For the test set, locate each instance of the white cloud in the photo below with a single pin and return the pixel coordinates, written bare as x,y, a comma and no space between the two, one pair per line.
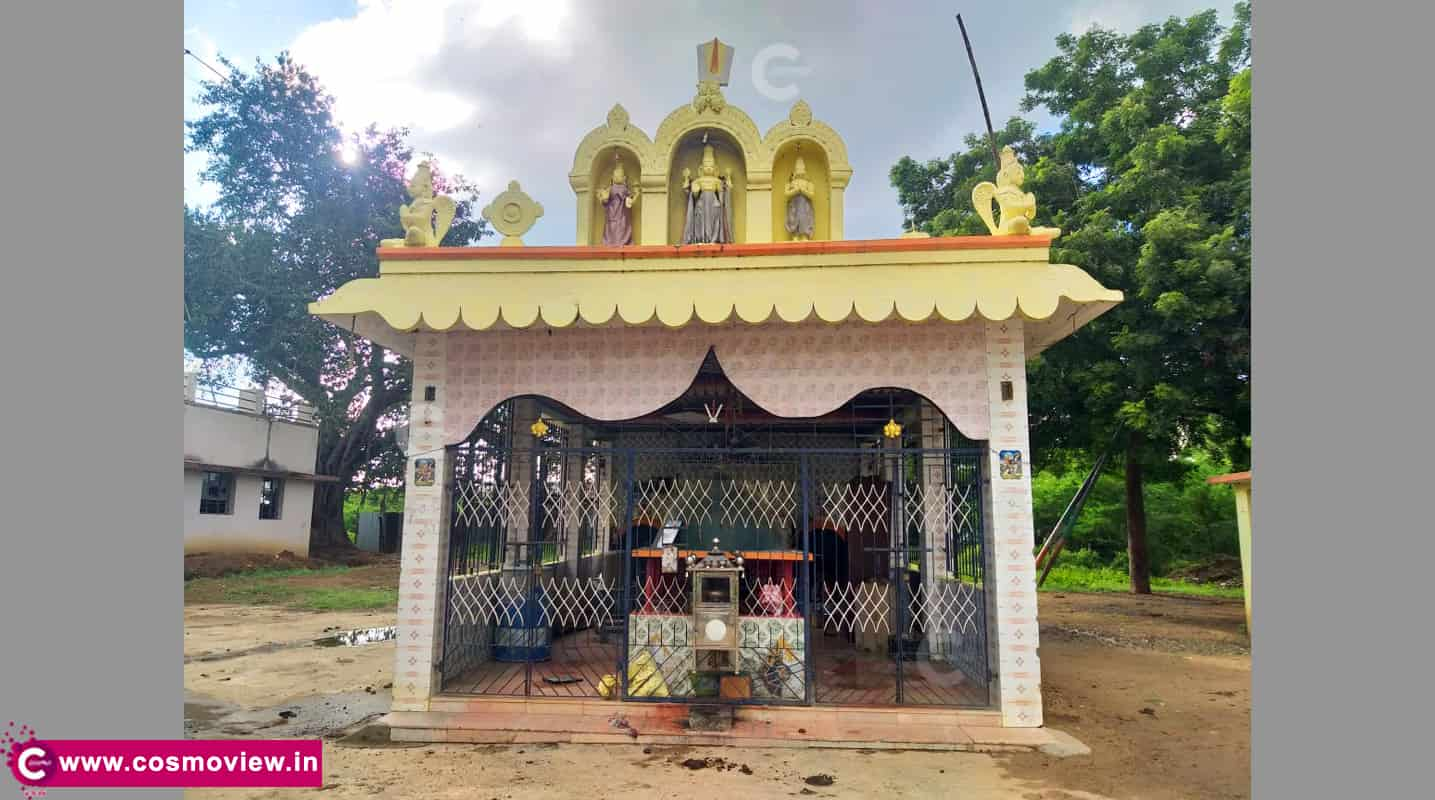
1117,15
385,65
203,46
500,90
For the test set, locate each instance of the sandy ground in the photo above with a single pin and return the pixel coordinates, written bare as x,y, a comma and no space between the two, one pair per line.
1158,687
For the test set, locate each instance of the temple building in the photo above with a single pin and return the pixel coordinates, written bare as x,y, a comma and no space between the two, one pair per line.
714,472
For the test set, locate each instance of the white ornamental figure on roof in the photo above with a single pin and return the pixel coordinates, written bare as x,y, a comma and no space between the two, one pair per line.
709,203
617,202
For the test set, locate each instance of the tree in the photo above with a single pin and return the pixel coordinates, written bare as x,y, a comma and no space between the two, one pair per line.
294,220
1148,175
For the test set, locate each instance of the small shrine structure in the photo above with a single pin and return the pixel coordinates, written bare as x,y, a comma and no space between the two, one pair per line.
713,378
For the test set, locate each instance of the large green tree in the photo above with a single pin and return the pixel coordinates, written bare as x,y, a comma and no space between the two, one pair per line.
1148,175
300,209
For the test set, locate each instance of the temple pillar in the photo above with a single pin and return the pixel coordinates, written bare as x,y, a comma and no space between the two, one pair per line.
572,488
424,556
521,479
1012,534
585,216
759,208
834,222
653,206
936,521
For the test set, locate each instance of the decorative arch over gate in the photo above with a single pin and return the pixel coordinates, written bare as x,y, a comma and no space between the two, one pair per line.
795,371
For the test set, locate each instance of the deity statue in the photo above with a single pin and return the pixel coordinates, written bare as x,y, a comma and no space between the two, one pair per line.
617,202
709,219
426,219
1017,208
799,194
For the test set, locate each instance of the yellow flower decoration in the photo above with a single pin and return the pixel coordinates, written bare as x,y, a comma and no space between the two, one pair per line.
892,430
539,428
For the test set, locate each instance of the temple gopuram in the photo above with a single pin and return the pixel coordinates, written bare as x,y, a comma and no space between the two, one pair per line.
715,473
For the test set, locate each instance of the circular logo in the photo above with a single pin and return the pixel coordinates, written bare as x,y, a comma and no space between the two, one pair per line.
761,71
715,630
34,764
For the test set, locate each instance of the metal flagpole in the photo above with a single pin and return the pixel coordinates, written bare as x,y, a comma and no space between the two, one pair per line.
981,95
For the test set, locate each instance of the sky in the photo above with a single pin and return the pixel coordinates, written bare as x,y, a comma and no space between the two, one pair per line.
501,91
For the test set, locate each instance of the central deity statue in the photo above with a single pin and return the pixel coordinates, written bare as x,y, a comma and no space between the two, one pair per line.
709,206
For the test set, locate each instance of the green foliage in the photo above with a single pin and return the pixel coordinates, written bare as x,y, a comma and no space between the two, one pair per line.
1148,175
292,222
1072,574
387,498
1189,520
1159,121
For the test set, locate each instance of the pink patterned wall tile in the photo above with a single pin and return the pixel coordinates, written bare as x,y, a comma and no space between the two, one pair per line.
790,370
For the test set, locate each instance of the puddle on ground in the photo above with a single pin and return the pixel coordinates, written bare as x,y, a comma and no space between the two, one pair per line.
320,715
358,636
353,638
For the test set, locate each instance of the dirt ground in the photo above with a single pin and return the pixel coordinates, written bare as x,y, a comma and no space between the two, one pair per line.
1158,687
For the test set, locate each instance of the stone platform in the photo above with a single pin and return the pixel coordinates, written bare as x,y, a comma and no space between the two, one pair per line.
504,720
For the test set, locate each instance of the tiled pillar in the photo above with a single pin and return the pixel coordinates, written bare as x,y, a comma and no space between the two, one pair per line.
936,521
521,476
1013,536
425,551
572,488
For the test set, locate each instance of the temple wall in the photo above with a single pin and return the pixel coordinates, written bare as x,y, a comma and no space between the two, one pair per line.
458,367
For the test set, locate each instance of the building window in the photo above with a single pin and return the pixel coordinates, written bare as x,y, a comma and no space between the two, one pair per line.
271,497
216,493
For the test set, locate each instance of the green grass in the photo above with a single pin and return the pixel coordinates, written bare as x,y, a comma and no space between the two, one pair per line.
1078,578
351,599
292,588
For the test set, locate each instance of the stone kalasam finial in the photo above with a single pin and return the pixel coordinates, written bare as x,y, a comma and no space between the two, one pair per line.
512,213
1017,208
426,220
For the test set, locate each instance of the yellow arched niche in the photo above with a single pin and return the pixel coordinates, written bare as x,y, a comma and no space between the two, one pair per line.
815,160
801,127
688,153
617,132
600,176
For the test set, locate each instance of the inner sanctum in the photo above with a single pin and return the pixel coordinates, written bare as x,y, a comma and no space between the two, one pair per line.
859,533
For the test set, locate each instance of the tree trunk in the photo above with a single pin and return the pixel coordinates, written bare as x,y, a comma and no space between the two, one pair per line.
1140,567
327,531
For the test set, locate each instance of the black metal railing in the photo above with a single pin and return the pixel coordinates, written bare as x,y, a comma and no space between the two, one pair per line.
863,575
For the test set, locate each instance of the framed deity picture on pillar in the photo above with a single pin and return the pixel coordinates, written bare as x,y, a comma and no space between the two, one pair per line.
423,472
1010,464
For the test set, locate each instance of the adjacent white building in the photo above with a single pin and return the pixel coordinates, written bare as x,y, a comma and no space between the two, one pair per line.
249,471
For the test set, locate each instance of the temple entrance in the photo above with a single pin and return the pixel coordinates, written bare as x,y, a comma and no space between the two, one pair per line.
579,554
